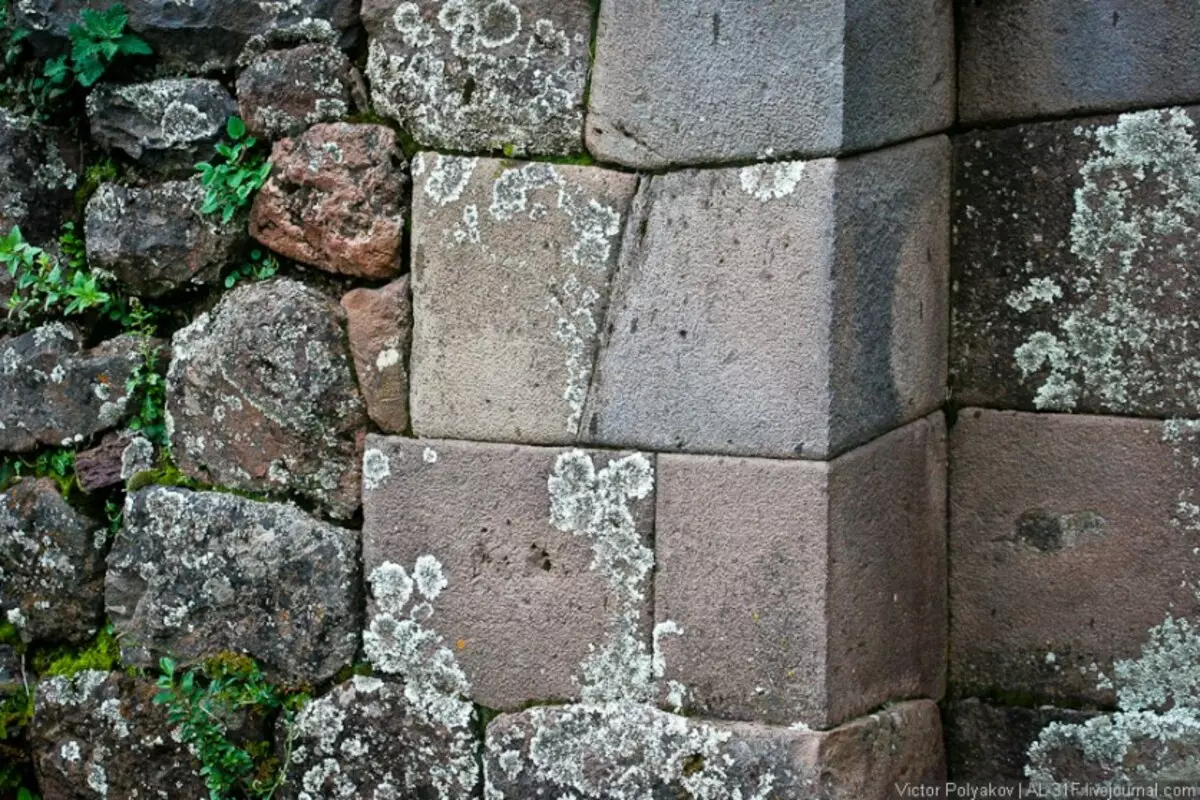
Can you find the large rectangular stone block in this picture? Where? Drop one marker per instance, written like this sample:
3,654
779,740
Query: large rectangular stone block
987,743
1039,58
511,268
807,592
786,310
1073,257
1070,538
685,82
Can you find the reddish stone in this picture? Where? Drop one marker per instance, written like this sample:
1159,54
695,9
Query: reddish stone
379,322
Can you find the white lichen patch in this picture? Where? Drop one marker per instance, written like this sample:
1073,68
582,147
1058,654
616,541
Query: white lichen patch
447,177
771,181
376,467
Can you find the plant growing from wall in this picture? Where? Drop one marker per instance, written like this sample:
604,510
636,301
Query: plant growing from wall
259,266
57,464
231,181
44,285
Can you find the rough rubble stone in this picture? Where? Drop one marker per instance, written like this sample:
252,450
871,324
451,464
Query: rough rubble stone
168,124
379,323
283,92
685,82
1070,538
526,602
51,563
197,573
155,239
11,671
507,352
641,753
1029,58
261,396
366,739
35,181
203,35
1074,246
482,75
989,744
99,735
822,582
336,200
117,458
786,310
54,393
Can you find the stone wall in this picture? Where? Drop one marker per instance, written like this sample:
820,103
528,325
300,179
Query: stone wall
621,399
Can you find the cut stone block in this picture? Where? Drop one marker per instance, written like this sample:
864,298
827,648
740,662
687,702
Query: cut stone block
1074,252
685,82
806,592
528,592
784,310
633,752
1070,538
511,267
482,75
988,743
1032,58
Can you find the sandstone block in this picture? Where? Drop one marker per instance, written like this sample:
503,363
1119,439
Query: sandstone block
808,592
785,310
511,267
379,323
680,82
1030,58
35,182
1070,538
1073,266
482,75
283,92
543,555
987,743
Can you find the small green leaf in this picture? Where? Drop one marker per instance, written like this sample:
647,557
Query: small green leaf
235,127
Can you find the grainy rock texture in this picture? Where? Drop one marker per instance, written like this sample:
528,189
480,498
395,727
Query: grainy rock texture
35,181
987,743
641,753
54,393
1029,58
482,75
51,565
168,124
1074,245
379,323
336,200
823,582
1079,534
204,35
511,268
261,396
117,458
155,239
786,310
99,735
283,92
528,601
683,82
197,573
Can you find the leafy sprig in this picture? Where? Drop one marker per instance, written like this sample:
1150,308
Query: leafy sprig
230,183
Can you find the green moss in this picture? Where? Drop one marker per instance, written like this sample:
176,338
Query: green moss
93,177
102,654
9,634
362,668
167,474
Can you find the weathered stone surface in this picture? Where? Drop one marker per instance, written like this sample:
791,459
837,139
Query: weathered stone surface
99,735
379,322
336,200
537,600
823,583
35,182
54,393
482,75
283,92
786,310
155,239
197,573
117,458
680,82
637,752
261,396
1070,537
204,35
1074,246
168,124
511,267
988,743
11,671
1029,58
51,565
367,739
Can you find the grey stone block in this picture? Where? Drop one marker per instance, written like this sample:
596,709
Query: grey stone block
684,82
989,743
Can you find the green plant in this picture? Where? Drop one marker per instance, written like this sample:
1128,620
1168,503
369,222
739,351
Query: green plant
43,285
203,701
145,386
230,184
260,266
93,177
103,654
57,464
97,39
